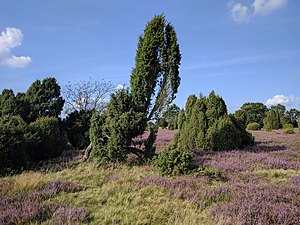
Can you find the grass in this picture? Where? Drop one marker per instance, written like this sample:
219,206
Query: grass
262,187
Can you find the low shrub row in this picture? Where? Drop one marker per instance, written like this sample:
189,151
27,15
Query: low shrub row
22,144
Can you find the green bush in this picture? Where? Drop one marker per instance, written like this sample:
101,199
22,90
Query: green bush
253,126
46,139
288,128
174,162
272,121
77,126
209,127
224,135
12,143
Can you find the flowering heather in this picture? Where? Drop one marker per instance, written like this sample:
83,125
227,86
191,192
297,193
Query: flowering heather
70,215
295,180
271,151
260,203
29,206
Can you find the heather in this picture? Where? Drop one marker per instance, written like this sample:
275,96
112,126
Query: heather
31,205
257,185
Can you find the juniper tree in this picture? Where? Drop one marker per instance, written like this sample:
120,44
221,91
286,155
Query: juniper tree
155,78
272,121
181,119
209,127
154,82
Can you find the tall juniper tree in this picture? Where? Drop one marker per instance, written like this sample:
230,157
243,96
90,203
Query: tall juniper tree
155,77
154,82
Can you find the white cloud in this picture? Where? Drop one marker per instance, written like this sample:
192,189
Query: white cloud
284,100
120,87
264,7
240,13
9,39
243,13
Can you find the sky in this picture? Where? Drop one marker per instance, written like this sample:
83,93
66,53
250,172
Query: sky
244,50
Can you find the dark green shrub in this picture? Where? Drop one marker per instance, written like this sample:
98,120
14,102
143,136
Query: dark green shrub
288,128
112,133
272,121
174,162
211,173
46,139
162,122
253,126
77,126
224,135
12,143
98,139
208,126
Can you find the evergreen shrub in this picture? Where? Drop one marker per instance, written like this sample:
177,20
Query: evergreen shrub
46,139
288,128
253,126
207,126
174,162
77,126
12,143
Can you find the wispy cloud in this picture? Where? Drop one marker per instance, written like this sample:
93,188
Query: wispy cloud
290,101
243,13
240,13
265,7
10,39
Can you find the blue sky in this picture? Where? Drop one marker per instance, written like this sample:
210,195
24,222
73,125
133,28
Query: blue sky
245,50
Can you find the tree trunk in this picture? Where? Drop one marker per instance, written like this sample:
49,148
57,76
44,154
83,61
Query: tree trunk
87,153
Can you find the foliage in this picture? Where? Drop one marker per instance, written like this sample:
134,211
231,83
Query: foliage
253,126
46,139
255,112
288,128
77,126
170,115
216,108
162,122
224,135
181,119
87,95
44,99
292,116
272,121
155,78
154,83
12,143
174,162
207,126
280,108
240,116
97,137
8,104
112,133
